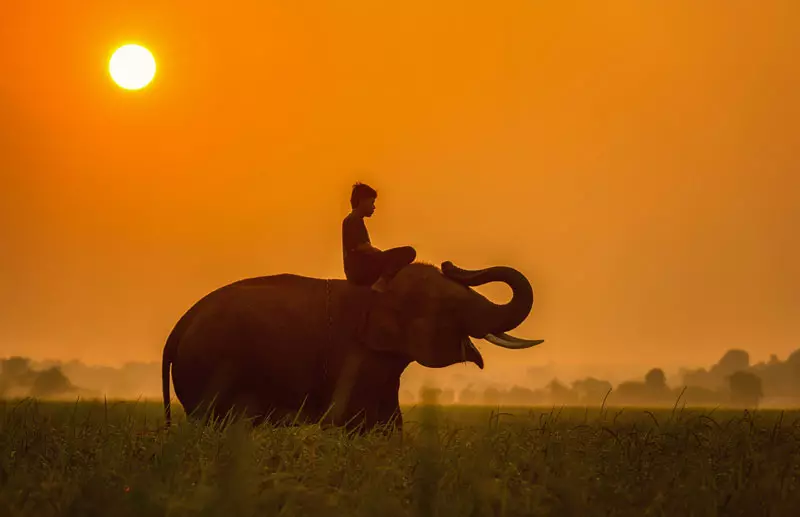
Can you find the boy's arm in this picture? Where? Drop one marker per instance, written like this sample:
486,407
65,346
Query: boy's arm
353,231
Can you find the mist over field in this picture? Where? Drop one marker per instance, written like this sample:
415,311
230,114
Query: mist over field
733,381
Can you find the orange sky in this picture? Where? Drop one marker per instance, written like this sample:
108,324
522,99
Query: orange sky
637,160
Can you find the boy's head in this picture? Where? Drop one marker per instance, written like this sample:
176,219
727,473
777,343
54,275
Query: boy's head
362,199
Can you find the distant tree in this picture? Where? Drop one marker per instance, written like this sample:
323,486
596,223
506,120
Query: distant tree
519,396
17,370
746,389
793,373
794,359
630,392
14,365
715,378
700,378
733,361
51,383
429,395
655,379
561,394
591,391
16,376
698,396
780,379
653,391
657,391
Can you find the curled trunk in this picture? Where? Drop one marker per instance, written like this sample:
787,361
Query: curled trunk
485,319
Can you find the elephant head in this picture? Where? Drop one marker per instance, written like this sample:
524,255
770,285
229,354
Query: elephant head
429,314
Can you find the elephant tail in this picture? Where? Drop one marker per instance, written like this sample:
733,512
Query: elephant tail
168,357
166,363
170,347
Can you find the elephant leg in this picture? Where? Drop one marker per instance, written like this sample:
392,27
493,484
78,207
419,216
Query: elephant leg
389,413
245,404
229,405
287,417
366,395
385,422
385,417
391,420
397,420
212,394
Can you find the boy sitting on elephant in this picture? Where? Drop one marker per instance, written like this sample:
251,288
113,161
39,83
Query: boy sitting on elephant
364,264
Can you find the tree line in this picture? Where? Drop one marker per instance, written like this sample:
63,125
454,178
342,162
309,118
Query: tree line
731,382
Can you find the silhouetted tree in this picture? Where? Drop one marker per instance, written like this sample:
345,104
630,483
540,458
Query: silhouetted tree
780,379
433,395
655,379
519,396
630,392
698,396
15,366
733,361
716,377
699,377
560,394
655,383
745,389
50,383
16,376
591,390
17,370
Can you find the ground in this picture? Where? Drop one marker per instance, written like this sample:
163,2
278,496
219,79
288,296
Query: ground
113,459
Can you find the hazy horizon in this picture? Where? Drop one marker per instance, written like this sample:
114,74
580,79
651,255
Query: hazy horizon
146,375
636,161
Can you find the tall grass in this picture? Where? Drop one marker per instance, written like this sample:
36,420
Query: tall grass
116,460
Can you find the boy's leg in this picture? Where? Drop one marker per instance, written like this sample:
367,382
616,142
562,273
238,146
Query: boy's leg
391,262
395,259
367,269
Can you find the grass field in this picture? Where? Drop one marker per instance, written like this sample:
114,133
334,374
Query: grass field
101,459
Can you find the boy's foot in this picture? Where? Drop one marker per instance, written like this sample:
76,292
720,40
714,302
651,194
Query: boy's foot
380,285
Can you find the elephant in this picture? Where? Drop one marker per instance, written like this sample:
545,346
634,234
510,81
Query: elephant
290,347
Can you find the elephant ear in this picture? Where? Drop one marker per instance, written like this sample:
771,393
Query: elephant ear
384,329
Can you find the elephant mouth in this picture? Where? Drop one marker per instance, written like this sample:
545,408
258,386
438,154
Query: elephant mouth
470,352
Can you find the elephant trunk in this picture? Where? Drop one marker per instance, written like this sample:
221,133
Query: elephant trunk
485,319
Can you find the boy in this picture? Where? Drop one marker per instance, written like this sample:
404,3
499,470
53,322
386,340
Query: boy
364,264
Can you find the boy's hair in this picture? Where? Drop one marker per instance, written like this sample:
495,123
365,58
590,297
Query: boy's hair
361,191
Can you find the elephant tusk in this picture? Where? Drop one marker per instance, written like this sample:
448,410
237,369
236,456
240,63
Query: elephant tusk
506,341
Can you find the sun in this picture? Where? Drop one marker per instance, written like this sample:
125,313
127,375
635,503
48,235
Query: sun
132,67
